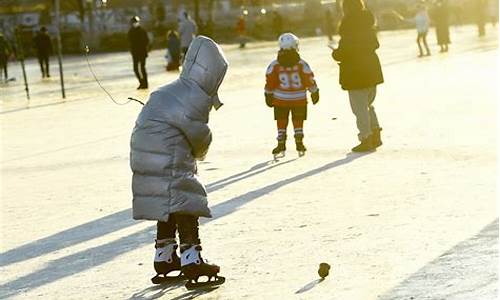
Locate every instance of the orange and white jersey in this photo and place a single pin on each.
(288, 85)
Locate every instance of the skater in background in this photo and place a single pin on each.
(440, 16)
(187, 31)
(329, 25)
(277, 23)
(5, 51)
(287, 80)
(422, 23)
(170, 135)
(493, 11)
(360, 70)
(481, 16)
(241, 31)
(173, 50)
(43, 47)
(139, 46)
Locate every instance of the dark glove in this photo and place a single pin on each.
(269, 99)
(315, 97)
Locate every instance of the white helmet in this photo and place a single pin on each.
(288, 41)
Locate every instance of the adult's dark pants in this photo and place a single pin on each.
(140, 69)
(3, 67)
(187, 225)
(43, 59)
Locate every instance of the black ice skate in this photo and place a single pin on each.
(166, 261)
(279, 151)
(299, 146)
(193, 267)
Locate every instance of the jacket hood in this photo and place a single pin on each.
(357, 23)
(205, 65)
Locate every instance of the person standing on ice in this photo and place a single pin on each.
(4, 57)
(139, 45)
(287, 80)
(170, 135)
(187, 31)
(422, 22)
(43, 47)
(360, 70)
(441, 15)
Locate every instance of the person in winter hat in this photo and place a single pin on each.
(187, 31)
(43, 46)
(139, 46)
(288, 78)
(170, 135)
(360, 70)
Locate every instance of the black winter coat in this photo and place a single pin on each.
(138, 42)
(359, 64)
(43, 44)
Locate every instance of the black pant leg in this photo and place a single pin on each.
(40, 61)
(46, 61)
(143, 72)
(188, 229)
(135, 62)
(3, 67)
(166, 230)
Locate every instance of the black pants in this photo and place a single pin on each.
(140, 63)
(187, 226)
(43, 59)
(422, 37)
(3, 67)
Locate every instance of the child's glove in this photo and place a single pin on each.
(269, 99)
(315, 97)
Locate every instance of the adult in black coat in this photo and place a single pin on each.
(440, 14)
(139, 45)
(360, 70)
(43, 46)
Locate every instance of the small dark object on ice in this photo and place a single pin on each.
(323, 270)
(334, 118)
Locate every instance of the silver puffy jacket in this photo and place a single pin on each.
(171, 133)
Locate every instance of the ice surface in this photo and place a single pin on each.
(383, 221)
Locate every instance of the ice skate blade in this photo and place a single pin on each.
(191, 285)
(301, 153)
(167, 279)
(279, 155)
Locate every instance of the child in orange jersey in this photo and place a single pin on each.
(287, 80)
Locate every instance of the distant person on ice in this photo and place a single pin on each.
(187, 31)
(241, 31)
(170, 135)
(173, 50)
(329, 24)
(422, 23)
(440, 16)
(360, 70)
(43, 47)
(4, 58)
(287, 80)
(139, 46)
